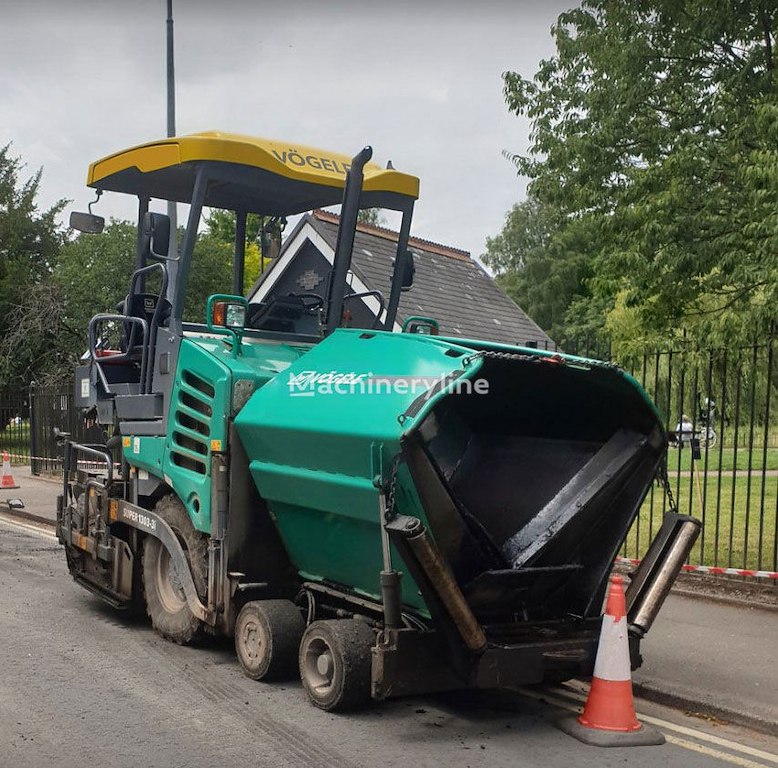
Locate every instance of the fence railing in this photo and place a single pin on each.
(15, 424)
(723, 468)
(28, 420)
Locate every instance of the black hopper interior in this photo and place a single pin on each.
(531, 488)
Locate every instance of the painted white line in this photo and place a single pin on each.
(742, 762)
(694, 733)
(38, 530)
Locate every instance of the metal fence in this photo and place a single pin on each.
(28, 423)
(723, 468)
(15, 424)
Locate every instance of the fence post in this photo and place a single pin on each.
(33, 442)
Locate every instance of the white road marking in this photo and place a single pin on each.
(738, 760)
(39, 529)
(743, 762)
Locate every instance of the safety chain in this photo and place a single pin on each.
(664, 478)
(554, 358)
(509, 356)
(499, 356)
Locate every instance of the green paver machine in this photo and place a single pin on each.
(383, 513)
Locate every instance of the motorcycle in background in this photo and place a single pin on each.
(702, 429)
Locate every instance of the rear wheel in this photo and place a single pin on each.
(267, 638)
(165, 600)
(335, 662)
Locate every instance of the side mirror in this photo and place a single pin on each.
(89, 223)
(409, 271)
(229, 315)
(225, 314)
(425, 326)
(156, 234)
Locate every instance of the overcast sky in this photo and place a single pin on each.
(419, 81)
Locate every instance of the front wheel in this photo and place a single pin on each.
(335, 663)
(267, 638)
(165, 600)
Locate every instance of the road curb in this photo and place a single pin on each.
(53, 479)
(20, 514)
(694, 706)
(733, 602)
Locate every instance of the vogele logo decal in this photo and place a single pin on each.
(294, 158)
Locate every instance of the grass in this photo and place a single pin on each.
(726, 456)
(731, 534)
(15, 438)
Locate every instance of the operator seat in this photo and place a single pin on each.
(144, 306)
(125, 367)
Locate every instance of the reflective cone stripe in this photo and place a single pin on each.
(613, 666)
(7, 480)
(610, 705)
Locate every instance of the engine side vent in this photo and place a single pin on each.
(193, 412)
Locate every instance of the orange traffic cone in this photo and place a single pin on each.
(608, 719)
(7, 480)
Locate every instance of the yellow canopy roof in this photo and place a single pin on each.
(254, 174)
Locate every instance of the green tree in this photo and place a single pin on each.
(210, 272)
(654, 132)
(541, 264)
(29, 242)
(92, 274)
(263, 240)
(372, 216)
(221, 224)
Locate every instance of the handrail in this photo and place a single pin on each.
(92, 451)
(379, 298)
(147, 372)
(100, 488)
(106, 317)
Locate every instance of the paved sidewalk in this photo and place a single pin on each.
(700, 655)
(713, 659)
(39, 494)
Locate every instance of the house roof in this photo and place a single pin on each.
(449, 285)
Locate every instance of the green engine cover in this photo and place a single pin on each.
(311, 435)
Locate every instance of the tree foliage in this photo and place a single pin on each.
(263, 234)
(38, 346)
(540, 264)
(29, 241)
(92, 274)
(210, 272)
(654, 155)
(371, 216)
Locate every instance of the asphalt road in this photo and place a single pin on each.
(83, 685)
